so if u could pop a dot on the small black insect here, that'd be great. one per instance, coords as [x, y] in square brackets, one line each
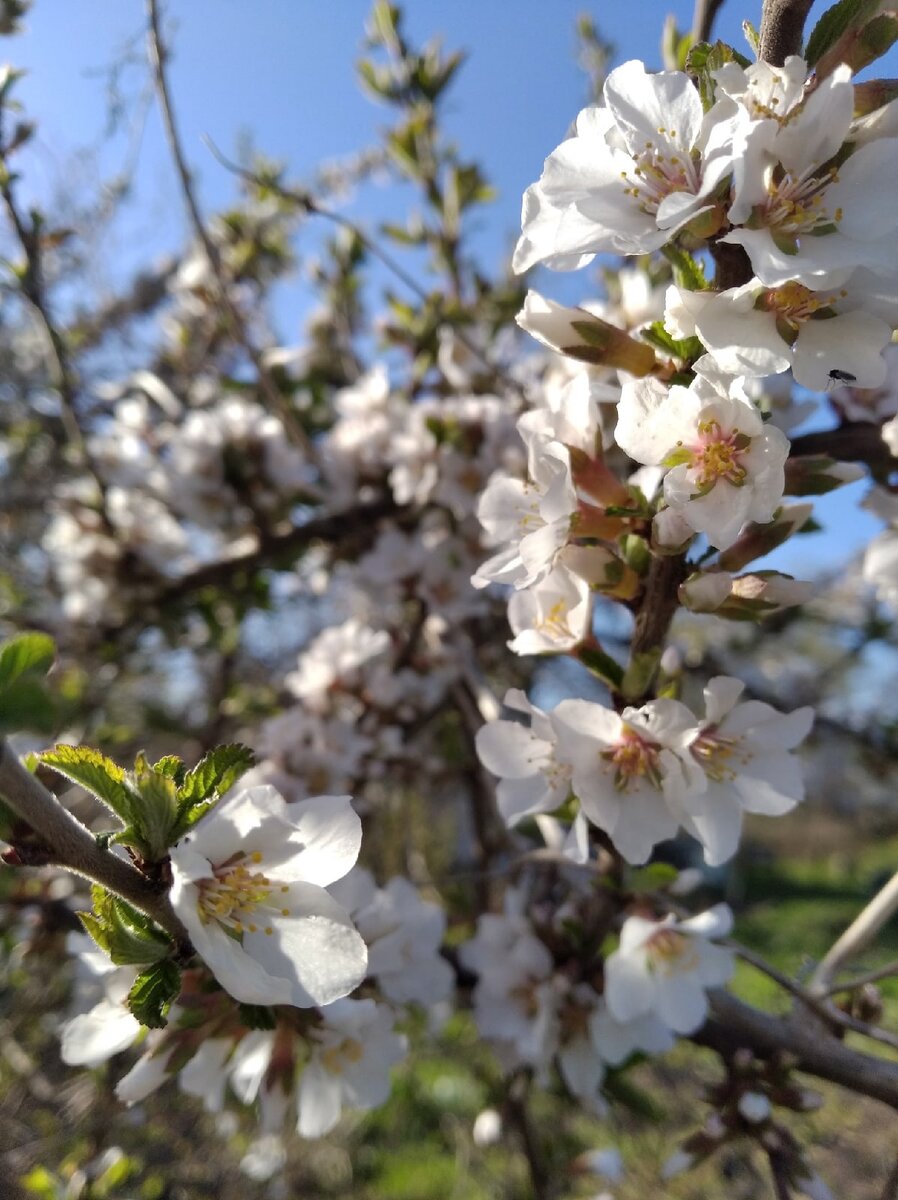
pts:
[842, 377]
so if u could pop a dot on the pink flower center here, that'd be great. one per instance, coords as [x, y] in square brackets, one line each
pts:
[720, 757]
[717, 455]
[634, 759]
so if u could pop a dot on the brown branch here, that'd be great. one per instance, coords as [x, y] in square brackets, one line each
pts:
[307, 203]
[703, 18]
[852, 441]
[779, 1173]
[659, 603]
[517, 1112]
[277, 403]
[62, 375]
[734, 1025]
[782, 28]
[72, 846]
[276, 546]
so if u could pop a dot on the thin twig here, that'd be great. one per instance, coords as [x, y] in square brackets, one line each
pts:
[703, 19]
[516, 1109]
[63, 377]
[72, 846]
[779, 1173]
[308, 204]
[862, 930]
[850, 985]
[158, 52]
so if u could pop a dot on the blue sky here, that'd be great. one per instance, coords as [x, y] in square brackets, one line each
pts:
[283, 73]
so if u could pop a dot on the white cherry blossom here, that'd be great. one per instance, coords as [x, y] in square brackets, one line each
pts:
[248, 883]
[553, 615]
[801, 217]
[634, 172]
[745, 752]
[533, 517]
[352, 1053]
[404, 933]
[665, 968]
[726, 466]
[753, 330]
[629, 770]
[532, 777]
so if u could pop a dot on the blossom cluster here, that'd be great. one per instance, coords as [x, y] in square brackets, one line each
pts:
[642, 774]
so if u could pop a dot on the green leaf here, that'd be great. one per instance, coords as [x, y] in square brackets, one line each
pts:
[685, 349]
[156, 812]
[172, 766]
[705, 58]
[652, 878]
[216, 773]
[640, 672]
[835, 23]
[95, 772]
[602, 665]
[27, 654]
[688, 271]
[127, 935]
[26, 704]
[153, 992]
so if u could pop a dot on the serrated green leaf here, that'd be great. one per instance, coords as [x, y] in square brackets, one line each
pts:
[27, 654]
[171, 765]
[688, 271]
[95, 772]
[835, 23]
[155, 812]
[153, 992]
[127, 935]
[96, 929]
[216, 773]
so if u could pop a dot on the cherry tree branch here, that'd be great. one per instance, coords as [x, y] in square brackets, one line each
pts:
[782, 28]
[862, 930]
[703, 18]
[69, 844]
[734, 1025]
[159, 54]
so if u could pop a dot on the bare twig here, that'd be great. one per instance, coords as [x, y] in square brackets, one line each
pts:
[63, 377]
[274, 398]
[703, 18]
[519, 1117]
[307, 203]
[782, 26]
[779, 1173]
[862, 930]
[72, 846]
[849, 985]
